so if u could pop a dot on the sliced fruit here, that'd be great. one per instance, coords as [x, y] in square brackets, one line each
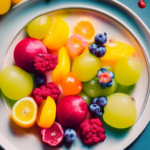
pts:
[46, 113]
[58, 34]
[53, 135]
[85, 27]
[63, 66]
[115, 50]
[24, 112]
[75, 45]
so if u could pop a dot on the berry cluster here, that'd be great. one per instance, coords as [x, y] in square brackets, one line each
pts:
[50, 89]
[92, 131]
[96, 107]
[105, 78]
[45, 62]
[98, 49]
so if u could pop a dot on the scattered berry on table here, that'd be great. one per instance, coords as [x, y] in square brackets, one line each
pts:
[100, 39]
[70, 135]
[92, 131]
[40, 79]
[105, 78]
[45, 62]
[141, 4]
[101, 101]
[95, 110]
[41, 93]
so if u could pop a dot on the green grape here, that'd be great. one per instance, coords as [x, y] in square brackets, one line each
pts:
[39, 27]
[85, 66]
[120, 111]
[93, 88]
[108, 68]
[87, 98]
[127, 70]
[15, 83]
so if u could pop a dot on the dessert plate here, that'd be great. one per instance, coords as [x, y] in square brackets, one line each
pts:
[112, 17]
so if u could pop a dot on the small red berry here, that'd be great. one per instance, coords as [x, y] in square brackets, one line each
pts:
[92, 131]
[41, 93]
[141, 4]
[45, 62]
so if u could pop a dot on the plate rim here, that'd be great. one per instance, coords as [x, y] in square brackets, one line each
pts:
[146, 120]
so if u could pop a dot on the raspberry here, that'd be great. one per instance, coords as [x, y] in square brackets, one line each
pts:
[45, 62]
[92, 131]
[50, 89]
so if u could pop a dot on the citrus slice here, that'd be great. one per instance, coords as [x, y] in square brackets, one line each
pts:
[86, 28]
[53, 135]
[24, 112]
[115, 50]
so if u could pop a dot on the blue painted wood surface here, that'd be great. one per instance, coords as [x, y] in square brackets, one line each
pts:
[143, 141]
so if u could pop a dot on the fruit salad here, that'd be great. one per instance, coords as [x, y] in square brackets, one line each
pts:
[61, 77]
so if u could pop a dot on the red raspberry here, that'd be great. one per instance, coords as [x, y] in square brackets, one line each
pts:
[50, 89]
[92, 131]
[45, 62]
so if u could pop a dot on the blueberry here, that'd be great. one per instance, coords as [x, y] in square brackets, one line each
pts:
[95, 100]
[94, 108]
[103, 85]
[102, 101]
[109, 84]
[103, 70]
[97, 114]
[40, 79]
[92, 48]
[100, 39]
[100, 51]
[70, 135]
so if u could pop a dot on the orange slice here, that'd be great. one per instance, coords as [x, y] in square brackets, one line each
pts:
[86, 28]
[24, 112]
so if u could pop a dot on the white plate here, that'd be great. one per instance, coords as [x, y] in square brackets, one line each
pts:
[111, 17]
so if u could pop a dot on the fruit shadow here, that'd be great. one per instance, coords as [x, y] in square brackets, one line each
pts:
[125, 89]
[114, 132]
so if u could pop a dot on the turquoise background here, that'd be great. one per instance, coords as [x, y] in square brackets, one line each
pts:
[143, 141]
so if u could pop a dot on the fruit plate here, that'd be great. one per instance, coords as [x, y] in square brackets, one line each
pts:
[119, 21]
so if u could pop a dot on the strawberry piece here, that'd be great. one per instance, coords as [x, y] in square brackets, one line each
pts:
[92, 131]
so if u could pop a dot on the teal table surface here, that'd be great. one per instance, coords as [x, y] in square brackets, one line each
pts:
[143, 141]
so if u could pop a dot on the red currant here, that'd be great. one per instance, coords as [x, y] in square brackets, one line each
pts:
[141, 4]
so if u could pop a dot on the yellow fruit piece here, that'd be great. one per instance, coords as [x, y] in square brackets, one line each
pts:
[63, 66]
[116, 50]
[24, 112]
[14, 2]
[46, 113]
[4, 6]
[85, 27]
[58, 34]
